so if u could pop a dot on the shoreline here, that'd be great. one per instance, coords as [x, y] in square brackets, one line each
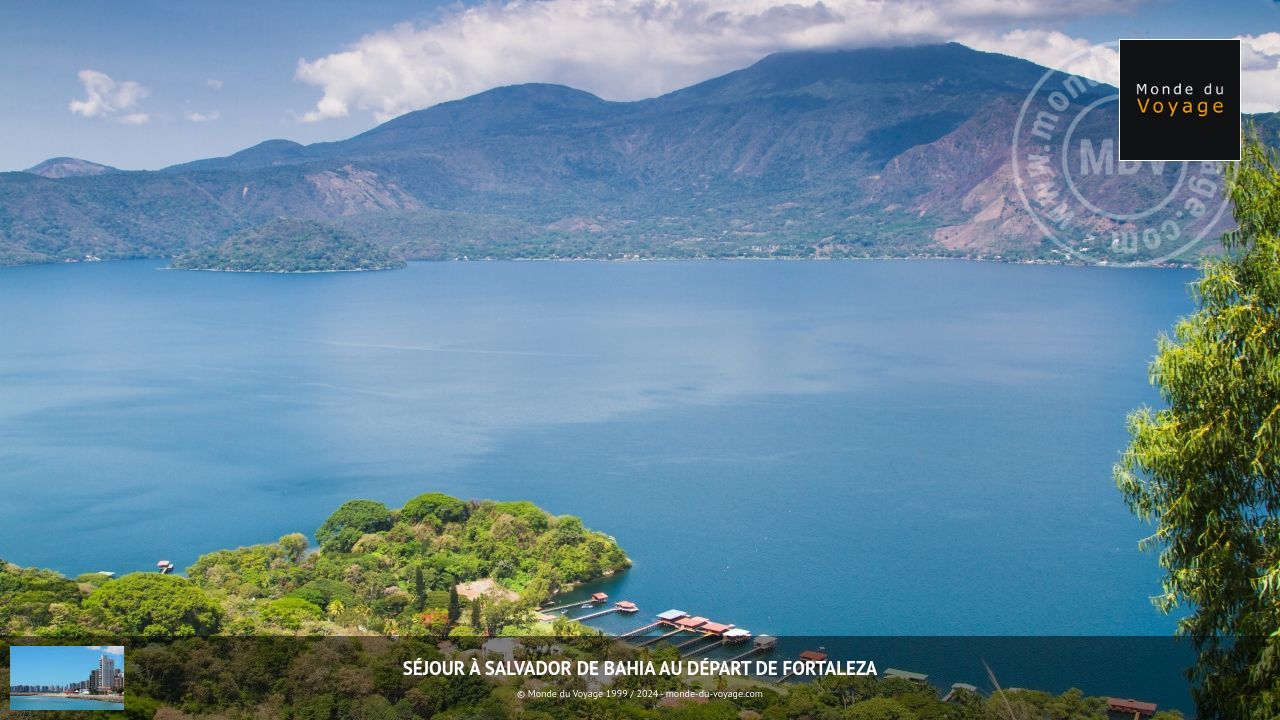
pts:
[265, 272]
[119, 699]
[887, 258]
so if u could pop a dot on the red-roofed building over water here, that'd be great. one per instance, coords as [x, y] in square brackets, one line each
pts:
[1130, 708]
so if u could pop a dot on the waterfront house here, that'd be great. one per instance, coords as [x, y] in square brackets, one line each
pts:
[691, 623]
[1130, 708]
[905, 675]
[957, 690]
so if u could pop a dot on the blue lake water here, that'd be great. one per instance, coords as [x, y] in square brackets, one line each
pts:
[32, 702]
[795, 447]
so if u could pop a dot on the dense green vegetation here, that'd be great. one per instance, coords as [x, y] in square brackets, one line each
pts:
[360, 678]
[352, 521]
[396, 571]
[289, 246]
[1206, 468]
[280, 631]
[153, 606]
[378, 571]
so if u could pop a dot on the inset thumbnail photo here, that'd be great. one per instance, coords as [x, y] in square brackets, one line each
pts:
[57, 677]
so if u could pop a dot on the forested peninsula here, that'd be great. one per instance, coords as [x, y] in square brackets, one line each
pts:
[289, 246]
[376, 570]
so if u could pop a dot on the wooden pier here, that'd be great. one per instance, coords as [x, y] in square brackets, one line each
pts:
[622, 606]
[594, 600]
[698, 639]
[639, 630]
[606, 611]
[704, 648]
[566, 606]
[653, 640]
[679, 621]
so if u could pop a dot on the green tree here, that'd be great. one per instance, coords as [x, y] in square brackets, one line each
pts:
[294, 546]
[475, 613]
[322, 591]
[290, 612]
[441, 507]
[154, 605]
[1206, 468]
[140, 708]
[849, 689]
[419, 589]
[498, 613]
[455, 604]
[878, 708]
[353, 519]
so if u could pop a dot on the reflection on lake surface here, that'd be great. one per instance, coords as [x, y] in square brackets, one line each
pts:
[856, 447]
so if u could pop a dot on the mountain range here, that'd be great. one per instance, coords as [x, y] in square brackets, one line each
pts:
[856, 153]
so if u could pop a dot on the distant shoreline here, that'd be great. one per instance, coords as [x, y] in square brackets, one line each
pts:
[278, 272]
[1038, 262]
[72, 696]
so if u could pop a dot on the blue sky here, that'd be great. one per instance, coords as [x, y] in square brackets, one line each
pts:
[155, 83]
[55, 665]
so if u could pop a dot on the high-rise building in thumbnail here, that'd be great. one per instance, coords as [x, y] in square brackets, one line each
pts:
[106, 671]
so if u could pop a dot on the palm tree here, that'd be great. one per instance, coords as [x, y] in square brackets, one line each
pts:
[335, 608]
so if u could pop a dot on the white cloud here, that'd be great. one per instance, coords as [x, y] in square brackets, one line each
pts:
[629, 49]
[198, 117]
[105, 97]
[1260, 72]
[108, 649]
[1259, 60]
[214, 83]
[1053, 49]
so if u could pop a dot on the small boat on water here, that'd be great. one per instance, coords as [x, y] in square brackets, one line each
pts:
[164, 566]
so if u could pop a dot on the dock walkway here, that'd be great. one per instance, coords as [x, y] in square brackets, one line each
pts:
[638, 631]
[566, 606]
[597, 614]
[704, 649]
[653, 640]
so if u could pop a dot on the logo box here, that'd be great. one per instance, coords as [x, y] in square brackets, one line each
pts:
[1180, 100]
